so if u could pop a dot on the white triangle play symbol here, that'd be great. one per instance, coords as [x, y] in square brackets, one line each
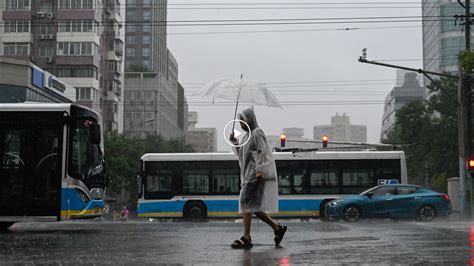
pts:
[236, 133]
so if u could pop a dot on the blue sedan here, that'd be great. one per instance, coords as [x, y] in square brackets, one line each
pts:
[391, 201]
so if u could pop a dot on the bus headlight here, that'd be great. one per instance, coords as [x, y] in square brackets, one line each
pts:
[97, 193]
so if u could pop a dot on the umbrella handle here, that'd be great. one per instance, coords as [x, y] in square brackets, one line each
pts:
[235, 115]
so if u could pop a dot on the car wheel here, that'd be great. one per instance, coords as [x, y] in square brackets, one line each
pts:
[352, 213]
[426, 213]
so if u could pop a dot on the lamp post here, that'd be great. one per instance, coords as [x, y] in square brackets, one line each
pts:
[141, 123]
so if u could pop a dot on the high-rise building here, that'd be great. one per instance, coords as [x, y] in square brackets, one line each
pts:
[146, 35]
[153, 106]
[443, 39]
[151, 74]
[397, 98]
[79, 41]
[341, 130]
[201, 139]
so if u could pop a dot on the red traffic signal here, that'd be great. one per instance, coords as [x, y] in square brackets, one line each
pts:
[470, 164]
[325, 140]
[282, 140]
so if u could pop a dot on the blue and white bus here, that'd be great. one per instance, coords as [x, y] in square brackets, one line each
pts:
[51, 162]
[200, 185]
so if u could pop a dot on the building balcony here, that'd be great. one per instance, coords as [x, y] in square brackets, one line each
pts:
[78, 60]
[18, 37]
[16, 15]
[82, 82]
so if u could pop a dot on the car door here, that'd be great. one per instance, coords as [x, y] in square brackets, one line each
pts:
[381, 201]
[406, 201]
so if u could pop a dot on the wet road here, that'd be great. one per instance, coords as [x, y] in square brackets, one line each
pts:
[313, 242]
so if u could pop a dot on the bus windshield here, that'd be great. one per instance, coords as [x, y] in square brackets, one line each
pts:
[84, 155]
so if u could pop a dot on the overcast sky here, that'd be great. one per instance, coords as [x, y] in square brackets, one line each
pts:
[326, 59]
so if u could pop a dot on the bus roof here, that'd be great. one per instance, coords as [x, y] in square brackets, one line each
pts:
[41, 107]
[34, 106]
[323, 155]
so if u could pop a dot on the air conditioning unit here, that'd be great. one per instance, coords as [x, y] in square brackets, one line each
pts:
[49, 60]
[49, 36]
[49, 16]
[41, 14]
[42, 36]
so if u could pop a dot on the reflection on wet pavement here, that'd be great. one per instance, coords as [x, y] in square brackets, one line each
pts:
[314, 242]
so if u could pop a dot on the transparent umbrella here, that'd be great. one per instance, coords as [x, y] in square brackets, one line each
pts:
[239, 92]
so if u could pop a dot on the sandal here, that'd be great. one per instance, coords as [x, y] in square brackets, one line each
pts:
[279, 234]
[242, 243]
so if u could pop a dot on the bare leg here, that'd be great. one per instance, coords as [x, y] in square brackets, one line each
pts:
[268, 220]
[247, 223]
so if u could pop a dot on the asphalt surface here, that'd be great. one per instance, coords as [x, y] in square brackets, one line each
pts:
[164, 242]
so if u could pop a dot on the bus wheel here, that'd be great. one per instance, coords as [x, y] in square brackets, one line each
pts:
[195, 211]
[322, 209]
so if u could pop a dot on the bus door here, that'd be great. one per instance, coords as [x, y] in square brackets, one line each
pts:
[31, 163]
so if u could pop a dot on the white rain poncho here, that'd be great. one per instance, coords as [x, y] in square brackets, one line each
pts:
[256, 155]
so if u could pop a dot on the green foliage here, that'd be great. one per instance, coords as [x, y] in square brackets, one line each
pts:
[123, 155]
[467, 61]
[137, 68]
[429, 133]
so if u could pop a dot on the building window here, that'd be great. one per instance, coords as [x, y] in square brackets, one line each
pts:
[130, 52]
[86, 94]
[46, 29]
[76, 48]
[46, 7]
[46, 51]
[130, 39]
[114, 66]
[146, 15]
[75, 4]
[146, 52]
[130, 28]
[77, 71]
[16, 26]
[146, 39]
[146, 28]
[78, 26]
[16, 49]
[18, 5]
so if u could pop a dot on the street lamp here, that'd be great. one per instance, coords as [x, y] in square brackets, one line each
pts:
[134, 127]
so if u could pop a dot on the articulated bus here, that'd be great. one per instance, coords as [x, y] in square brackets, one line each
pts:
[51, 162]
[201, 185]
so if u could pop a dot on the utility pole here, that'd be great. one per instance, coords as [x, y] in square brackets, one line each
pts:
[464, 116]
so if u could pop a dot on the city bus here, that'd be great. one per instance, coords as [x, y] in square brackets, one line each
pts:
[52, 164]
[202, 185]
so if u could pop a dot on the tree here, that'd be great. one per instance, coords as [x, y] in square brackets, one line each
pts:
[123, 154]
[428, 132]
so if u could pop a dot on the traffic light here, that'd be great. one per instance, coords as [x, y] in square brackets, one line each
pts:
[282, 140]
[325, 141]
[470, 165]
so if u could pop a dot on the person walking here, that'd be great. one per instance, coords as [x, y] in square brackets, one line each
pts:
[258, 178]
[124, 214]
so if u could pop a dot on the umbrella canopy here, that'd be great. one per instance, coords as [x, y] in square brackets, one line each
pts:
[240, 92]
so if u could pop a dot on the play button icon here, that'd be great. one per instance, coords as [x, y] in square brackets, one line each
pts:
[231, 127]
[236, 133]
